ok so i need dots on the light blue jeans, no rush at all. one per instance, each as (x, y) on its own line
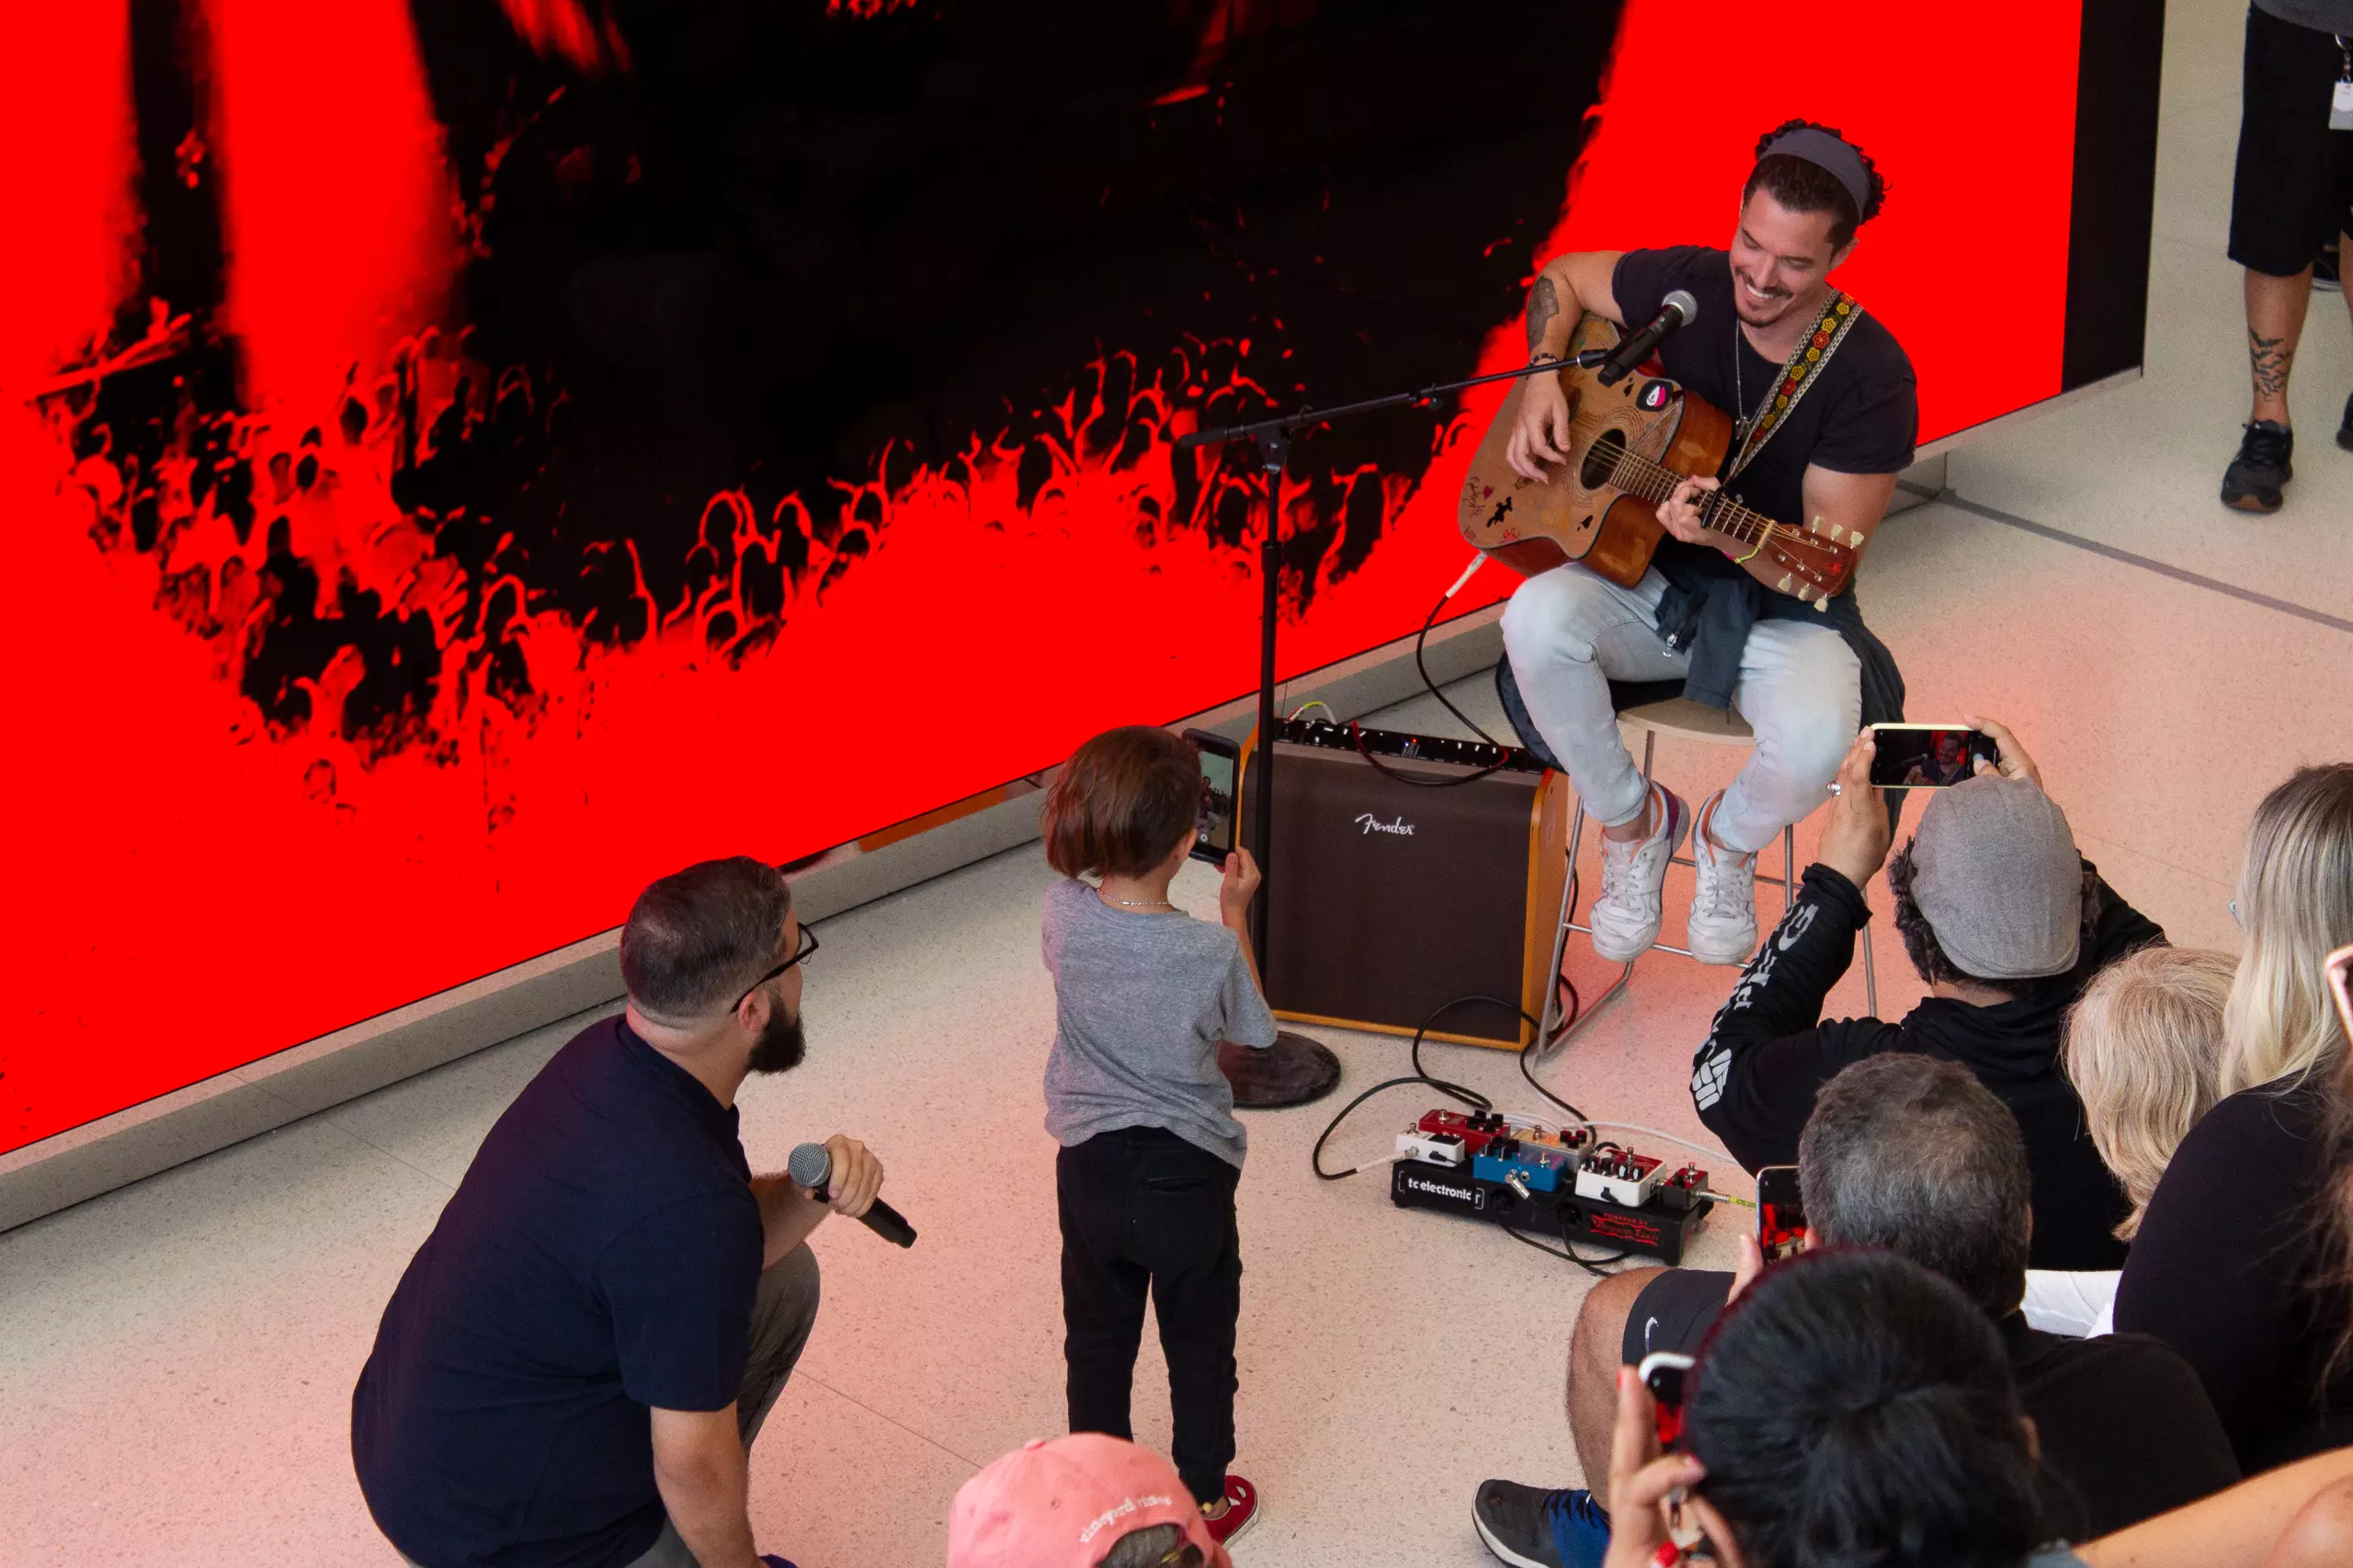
(1570, 633)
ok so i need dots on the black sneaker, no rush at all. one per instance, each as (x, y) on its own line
(2344, 429)
(1529, 1528)
(2252, 481)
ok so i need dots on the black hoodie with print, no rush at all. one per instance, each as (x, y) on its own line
(1770, 1050)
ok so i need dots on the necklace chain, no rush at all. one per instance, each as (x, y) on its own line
(1135, 903)
(1742, 419)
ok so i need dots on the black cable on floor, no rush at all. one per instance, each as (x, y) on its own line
(1460, 1093)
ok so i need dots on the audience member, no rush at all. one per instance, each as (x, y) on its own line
(1084, 1501)
(1852, 1410)
(1917, 1156)
(2142, 1049)
(1150, 1154)
(2293, 194)
(2233, 1265)
(578, 1357)
(2003, 919)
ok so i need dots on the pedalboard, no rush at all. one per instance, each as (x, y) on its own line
(1547, 1181)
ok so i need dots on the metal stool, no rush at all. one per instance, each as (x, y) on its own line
(1645, 707)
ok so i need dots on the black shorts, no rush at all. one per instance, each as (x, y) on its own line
(1674, 1312)
(2294, 191)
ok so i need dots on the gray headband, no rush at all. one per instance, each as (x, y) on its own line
(1824, 151)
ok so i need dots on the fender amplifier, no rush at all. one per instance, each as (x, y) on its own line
(1386, 899)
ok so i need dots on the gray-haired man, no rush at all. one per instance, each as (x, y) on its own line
(574, 1368)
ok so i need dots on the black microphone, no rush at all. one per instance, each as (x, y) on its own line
(812, 1166)
(1678, 310)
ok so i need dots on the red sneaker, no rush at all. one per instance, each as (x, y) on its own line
(1241, 1512)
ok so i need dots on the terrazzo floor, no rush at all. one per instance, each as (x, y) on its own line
(176, 1357)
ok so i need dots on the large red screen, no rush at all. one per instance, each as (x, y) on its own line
(202, 876)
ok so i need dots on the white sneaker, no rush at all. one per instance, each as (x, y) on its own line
(1633, 873)
(1724, 901)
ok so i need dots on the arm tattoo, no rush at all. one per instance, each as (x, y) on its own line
(1542, 306)
(2268, 358)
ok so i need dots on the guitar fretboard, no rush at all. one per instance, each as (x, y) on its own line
(1637, 475)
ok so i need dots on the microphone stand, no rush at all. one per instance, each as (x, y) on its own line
(1297, 1069)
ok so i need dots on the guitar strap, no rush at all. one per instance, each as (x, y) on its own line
(1797, 378)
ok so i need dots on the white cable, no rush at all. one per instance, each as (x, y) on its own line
(1468, 573)
(1663, 1137)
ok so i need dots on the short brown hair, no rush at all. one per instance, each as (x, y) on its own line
(1122, 803)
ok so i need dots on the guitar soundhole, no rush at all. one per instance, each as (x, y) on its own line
(1601, 459)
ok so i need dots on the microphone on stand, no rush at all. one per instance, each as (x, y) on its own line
(811, 1166)
(1678, 310)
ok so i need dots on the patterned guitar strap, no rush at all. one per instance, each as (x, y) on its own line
(1797, 378)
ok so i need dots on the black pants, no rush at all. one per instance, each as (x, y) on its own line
(1142, 1209)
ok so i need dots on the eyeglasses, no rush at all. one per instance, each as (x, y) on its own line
(1184, 1554)
(808, 946)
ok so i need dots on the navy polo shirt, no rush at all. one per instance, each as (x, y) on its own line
(600, 1257)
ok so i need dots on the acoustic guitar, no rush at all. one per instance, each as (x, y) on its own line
(1629, 445)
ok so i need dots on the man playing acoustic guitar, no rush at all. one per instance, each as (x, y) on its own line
(1824, 397)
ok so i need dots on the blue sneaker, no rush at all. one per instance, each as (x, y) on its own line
(1529, 1528)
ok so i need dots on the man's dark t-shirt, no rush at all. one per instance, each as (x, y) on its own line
(600, 1257)
(1861, 415)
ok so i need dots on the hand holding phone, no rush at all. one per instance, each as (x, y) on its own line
(1240, 886)
(2011, 760)
(1855, 839)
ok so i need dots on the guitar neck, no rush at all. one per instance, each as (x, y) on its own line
(1718, 510)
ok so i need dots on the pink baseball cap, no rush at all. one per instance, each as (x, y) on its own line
(1063, 1503)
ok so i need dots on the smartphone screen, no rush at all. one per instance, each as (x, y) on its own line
(1664, 1372)
(1213, 837)
(1928, 756)
(1780, 1212)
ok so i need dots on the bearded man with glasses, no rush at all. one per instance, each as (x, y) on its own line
(575, 1365)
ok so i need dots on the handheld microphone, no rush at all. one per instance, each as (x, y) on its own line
(1678, 310)
(812, 1166)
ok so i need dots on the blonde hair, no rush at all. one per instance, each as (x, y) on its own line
(2296, 903)
(2144, 1044)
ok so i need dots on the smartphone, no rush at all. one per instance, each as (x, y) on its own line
(1213, 836)
(2340, 982)
(1780, 1212)
(1928, 756)
(1665, 1373)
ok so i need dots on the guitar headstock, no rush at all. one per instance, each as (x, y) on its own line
(1819, 562)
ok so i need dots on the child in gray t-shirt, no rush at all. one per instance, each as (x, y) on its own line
(1151, 1153)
